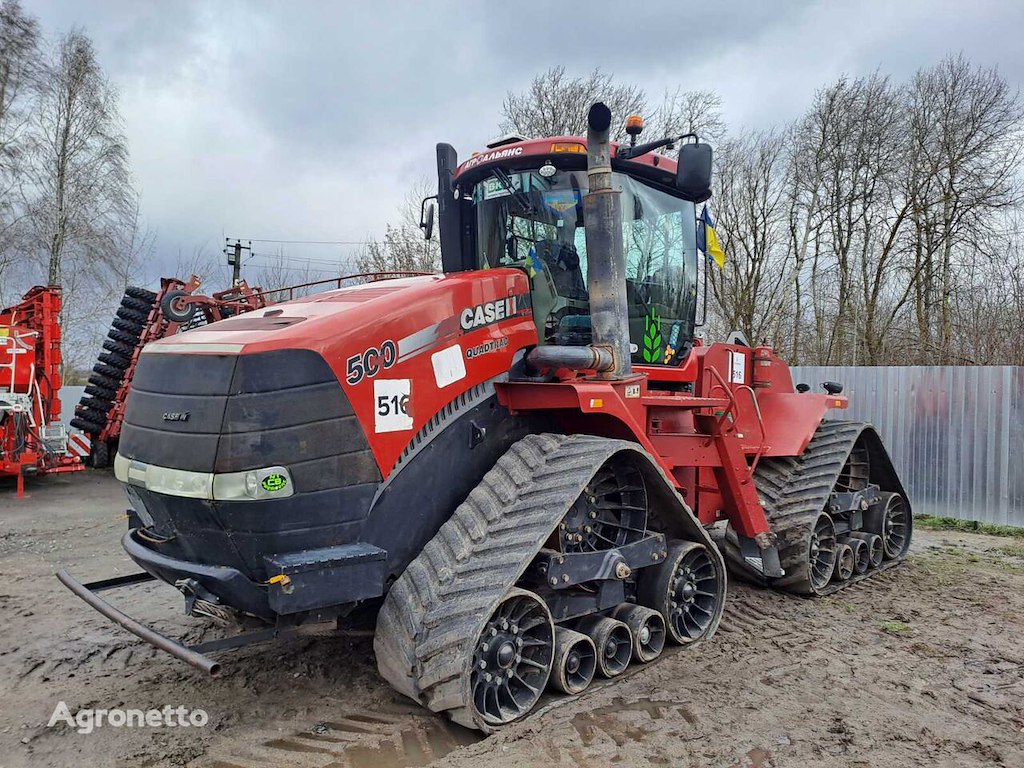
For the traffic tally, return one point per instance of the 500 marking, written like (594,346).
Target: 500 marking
(371,362)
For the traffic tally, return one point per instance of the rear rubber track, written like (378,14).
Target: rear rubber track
(434,613)
(795,491)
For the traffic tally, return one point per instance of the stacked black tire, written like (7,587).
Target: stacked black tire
(108,373)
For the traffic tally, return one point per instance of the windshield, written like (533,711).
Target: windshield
(525,220)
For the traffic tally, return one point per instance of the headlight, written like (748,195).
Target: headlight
(267,483)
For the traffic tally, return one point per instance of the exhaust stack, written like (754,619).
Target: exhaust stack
(606,265)
(608,353)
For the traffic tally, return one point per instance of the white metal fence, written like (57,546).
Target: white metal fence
(955,434)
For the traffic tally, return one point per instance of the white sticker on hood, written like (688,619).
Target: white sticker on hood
(449,366)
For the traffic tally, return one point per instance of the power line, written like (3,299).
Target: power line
(310,242)
(276,257)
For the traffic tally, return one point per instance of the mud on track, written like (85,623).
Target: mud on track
(923,665)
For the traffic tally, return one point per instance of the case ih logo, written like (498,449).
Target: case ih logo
(176,416)
(486,157)
(494,311)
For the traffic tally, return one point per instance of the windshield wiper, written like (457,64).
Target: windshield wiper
(518,195)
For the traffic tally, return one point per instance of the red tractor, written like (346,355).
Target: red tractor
(33,441)
(515,464)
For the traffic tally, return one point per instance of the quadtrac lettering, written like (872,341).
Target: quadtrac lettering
(486,348)
(370,362)
(495,311)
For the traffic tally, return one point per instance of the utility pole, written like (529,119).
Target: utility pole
(234,254)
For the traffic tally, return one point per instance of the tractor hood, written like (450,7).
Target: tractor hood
(401,350)
(273,431)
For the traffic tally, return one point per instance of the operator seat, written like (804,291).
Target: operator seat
(563,263)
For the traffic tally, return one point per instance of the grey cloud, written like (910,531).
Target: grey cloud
(312,119)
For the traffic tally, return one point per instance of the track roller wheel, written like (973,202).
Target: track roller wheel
(861,554)
(889,519)
(613,641)
(647,627)
(846,561)
(513,658)
(575,661)
(874,546)
(821,551)
(687,588)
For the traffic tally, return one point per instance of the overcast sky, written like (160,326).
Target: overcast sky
(312,120)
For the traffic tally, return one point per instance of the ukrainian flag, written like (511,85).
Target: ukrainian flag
(707,239)
(533,264)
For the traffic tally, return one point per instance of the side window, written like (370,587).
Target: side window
(659,292)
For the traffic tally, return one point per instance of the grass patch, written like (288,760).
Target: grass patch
(935,523)
(895,627)
(1013,550)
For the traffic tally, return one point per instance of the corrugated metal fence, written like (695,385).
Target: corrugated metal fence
(956,434)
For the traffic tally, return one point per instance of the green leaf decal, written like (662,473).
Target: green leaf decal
(653,348)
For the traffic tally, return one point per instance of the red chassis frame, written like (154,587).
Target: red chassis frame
(709,441)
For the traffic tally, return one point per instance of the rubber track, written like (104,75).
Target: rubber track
(434,612)
(794,492)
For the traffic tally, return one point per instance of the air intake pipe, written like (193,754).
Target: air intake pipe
(606,265)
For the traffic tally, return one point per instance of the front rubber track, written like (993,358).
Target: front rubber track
(433,614)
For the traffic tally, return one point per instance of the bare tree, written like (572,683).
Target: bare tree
(556,104)
(968,144)
(752,291)
(682,112)
(80,195)
(205,265)
(19,70)
(403,247)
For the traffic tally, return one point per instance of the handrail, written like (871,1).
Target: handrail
(731,408)
(725,388)
(337,281)
(763,444)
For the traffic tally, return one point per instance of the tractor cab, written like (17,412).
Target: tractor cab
(520,205)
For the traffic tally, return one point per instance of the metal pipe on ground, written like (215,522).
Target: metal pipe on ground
(141,631)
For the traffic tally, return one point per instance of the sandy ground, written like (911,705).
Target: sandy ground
(923,665)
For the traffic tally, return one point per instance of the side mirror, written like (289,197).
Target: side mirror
(693,173)
(427,216)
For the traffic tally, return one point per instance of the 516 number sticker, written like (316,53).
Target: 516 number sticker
(371,362)
(392,405)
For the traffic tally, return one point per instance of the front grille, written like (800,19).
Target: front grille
(231,413)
